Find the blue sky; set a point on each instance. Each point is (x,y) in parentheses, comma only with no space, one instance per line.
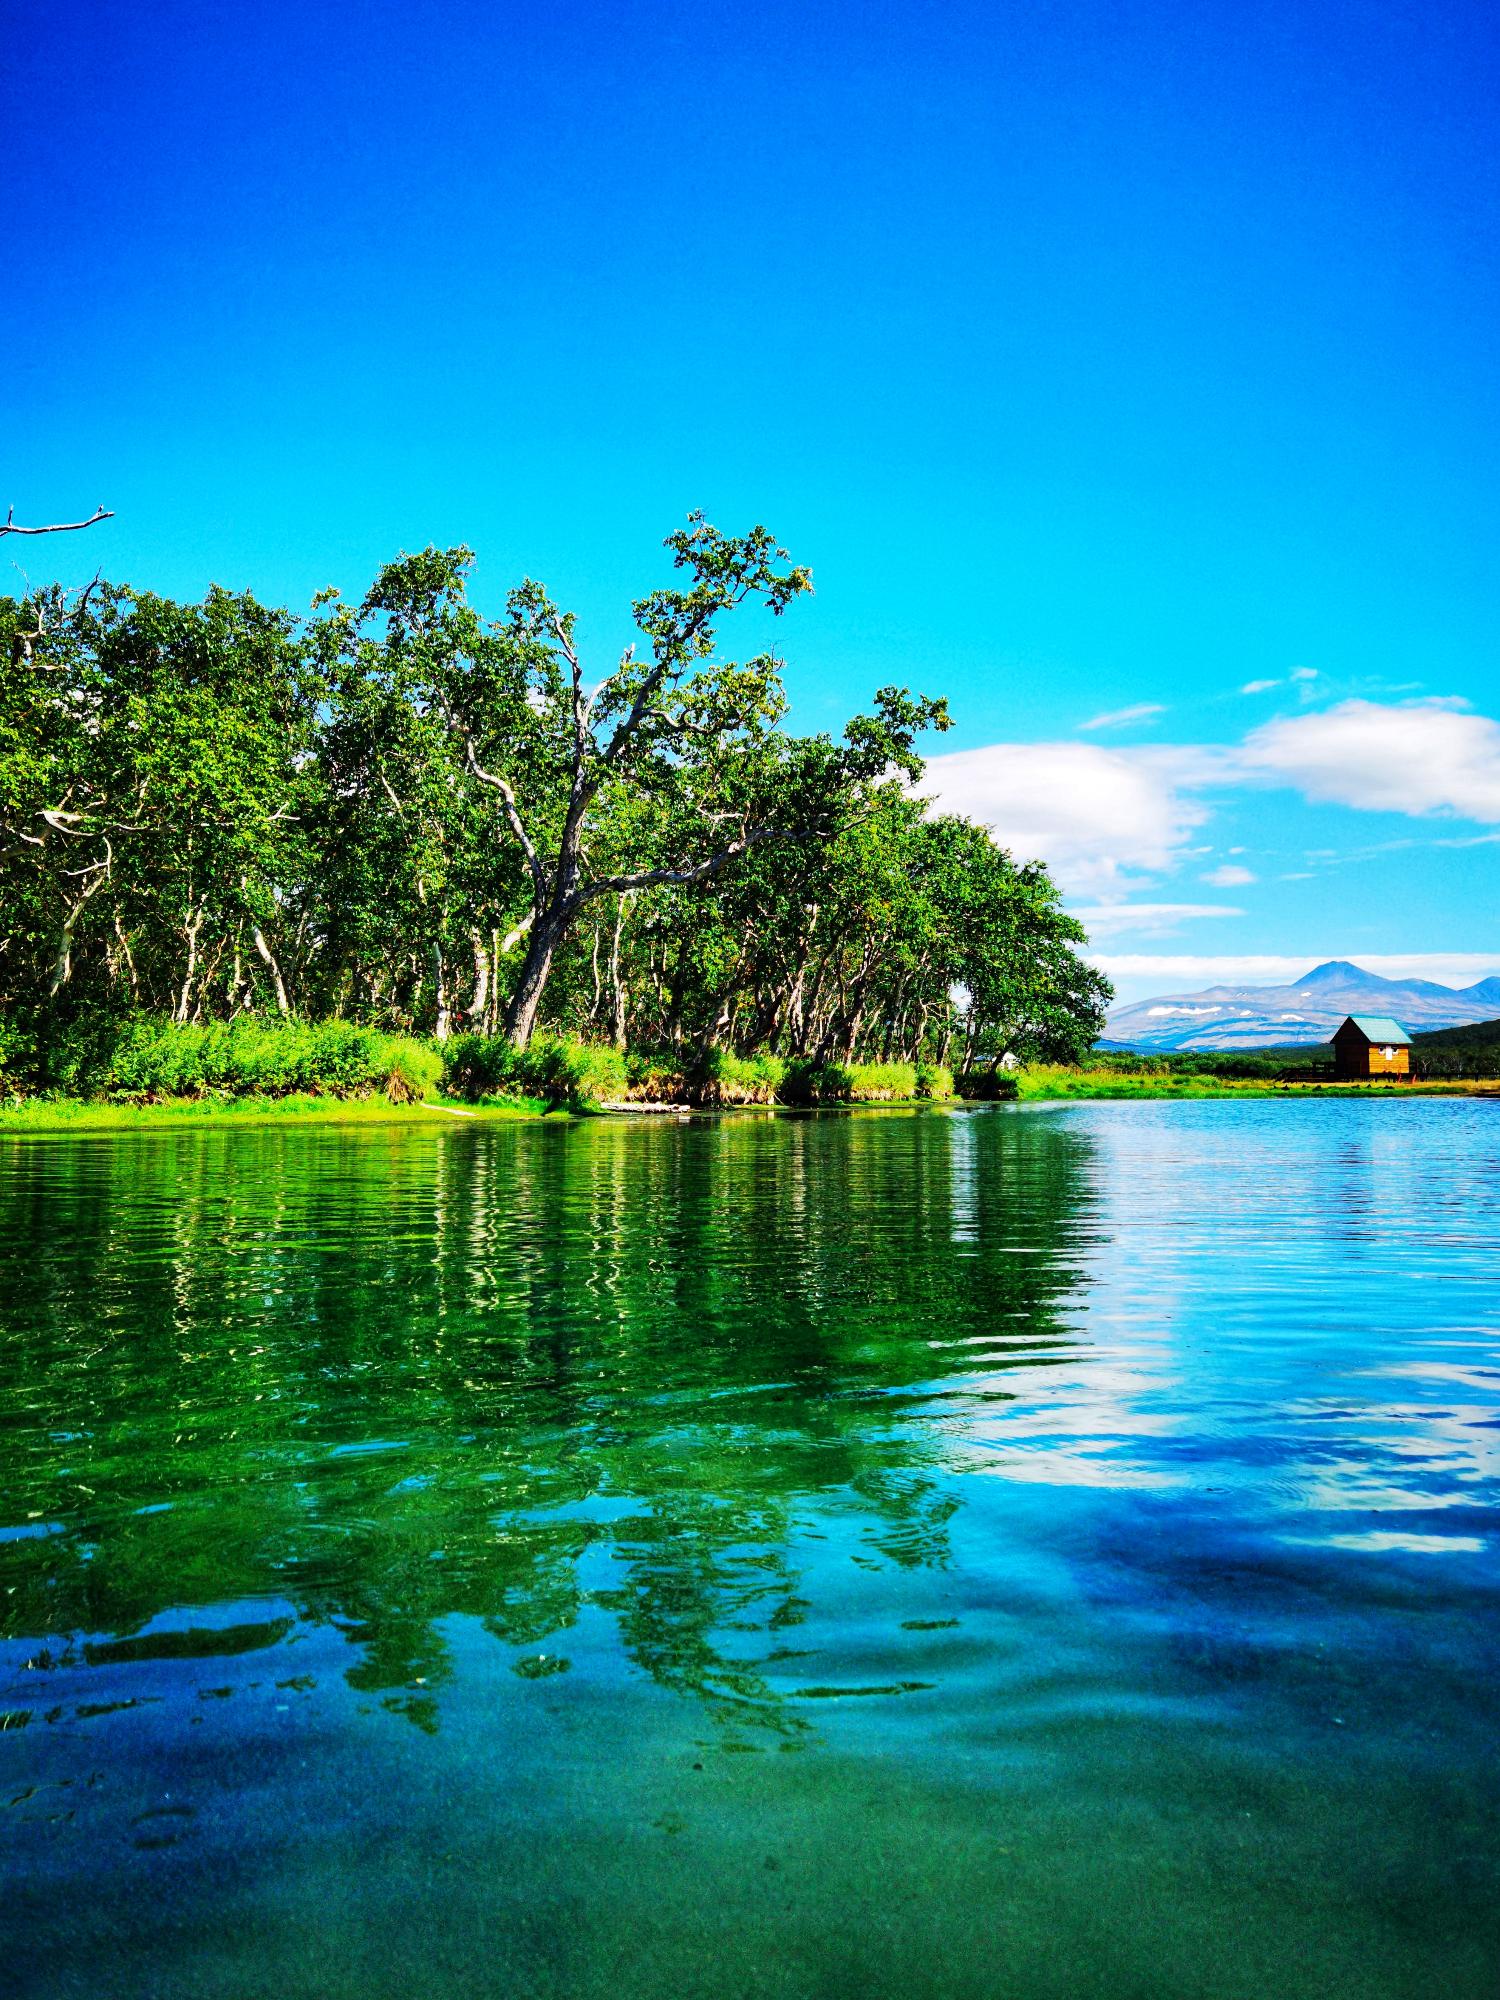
(1102,360)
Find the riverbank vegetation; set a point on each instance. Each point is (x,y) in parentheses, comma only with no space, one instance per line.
(144,1063)
(1467,1054)
(408,838)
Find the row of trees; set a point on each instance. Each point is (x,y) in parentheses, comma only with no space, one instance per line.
(399,812)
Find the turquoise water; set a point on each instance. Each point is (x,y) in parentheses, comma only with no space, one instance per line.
(1038,1551)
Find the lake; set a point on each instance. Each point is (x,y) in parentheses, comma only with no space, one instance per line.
(1037,1551)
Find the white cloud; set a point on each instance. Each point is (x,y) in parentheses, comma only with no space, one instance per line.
(1303,674)
(1258,687)
(1142,711)
(1095,816)
(1109,820)
(1409,757)
(1154,919)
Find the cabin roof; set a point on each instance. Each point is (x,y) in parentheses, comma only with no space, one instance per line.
(1379,1028)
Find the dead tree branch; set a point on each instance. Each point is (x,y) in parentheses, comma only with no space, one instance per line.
(10,526)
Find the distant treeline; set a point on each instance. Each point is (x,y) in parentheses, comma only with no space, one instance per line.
(1472,1051)
(398,814)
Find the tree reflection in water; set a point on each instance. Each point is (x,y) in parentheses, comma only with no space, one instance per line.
(378,1379)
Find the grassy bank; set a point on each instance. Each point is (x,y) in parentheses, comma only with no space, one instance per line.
(142,1071)
(64,1115)
(61,1114)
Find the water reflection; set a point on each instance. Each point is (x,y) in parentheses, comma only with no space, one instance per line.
(368,1381)
(418,1548)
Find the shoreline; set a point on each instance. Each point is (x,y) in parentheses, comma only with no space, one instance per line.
(61,1116)
(1055,1089)
(55,1116)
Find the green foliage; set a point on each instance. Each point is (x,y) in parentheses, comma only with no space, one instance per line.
(72,1114)
(149,1059)
(559,1069)
(478,1066)
(799,1083)
(400,814)
(17,1059)
(986,1086)
(1472,1051)
(653,1078)
(863,1083)
(934,1080)
(724,1078)
(872,1083)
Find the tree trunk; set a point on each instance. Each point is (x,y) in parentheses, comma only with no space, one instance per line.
(492,1006)
(547,934)
(855,1021)
(192,928)
(598,1000)
(62,966)
(441,1020)
(617,984)
(283,1005)
(128,956)
(480,1000)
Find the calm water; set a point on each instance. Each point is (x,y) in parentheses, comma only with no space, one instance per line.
(1031,1552)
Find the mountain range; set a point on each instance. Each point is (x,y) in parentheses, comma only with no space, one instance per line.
(1259,1017)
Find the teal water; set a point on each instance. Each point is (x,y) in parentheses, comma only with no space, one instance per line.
(1032,1552)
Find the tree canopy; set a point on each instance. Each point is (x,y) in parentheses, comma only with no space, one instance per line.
(401,813)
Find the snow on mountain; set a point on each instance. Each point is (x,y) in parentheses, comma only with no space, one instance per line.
(1258,1017)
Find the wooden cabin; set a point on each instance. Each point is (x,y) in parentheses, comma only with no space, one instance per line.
(1367,1045)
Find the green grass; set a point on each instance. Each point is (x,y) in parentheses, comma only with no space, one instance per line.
(147,1058)
(934,1080)
(42,1114)
(144,1073)
(723,1078)
(559,1069)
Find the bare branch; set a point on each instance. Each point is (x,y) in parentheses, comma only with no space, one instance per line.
(580,703)
(666,661)
(9,525)
(512,814)
(700,871)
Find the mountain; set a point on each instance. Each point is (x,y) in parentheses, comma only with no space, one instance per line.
(1260,1017)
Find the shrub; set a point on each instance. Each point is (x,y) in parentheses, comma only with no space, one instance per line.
(651,1079)
(721,1077)
(871,1083)
(833,1083)
(799,1082)
(479,1066)
(254,1058)
(934,1080)
(806,1082)
(416,1068)
(557,1068)
(567,1071)
(17,1058)
(987,1085)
